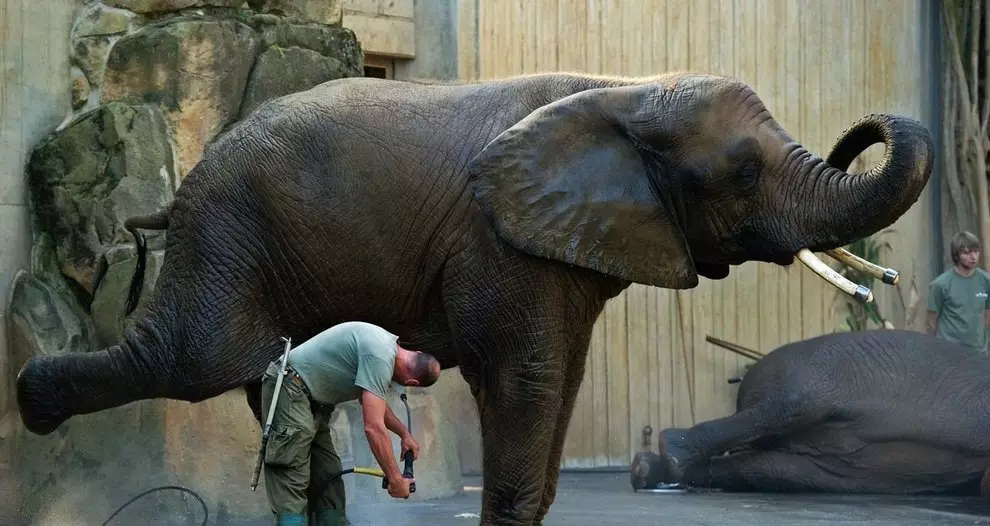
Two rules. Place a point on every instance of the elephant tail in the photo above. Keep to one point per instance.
(155, 221)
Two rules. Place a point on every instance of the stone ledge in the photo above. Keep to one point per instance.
(380, 35)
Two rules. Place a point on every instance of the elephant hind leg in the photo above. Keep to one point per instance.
(682, 448)
(191, 345)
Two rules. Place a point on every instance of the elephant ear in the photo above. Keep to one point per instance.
(568, 182)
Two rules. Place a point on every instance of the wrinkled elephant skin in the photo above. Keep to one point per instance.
(882, 412)
(485, 223)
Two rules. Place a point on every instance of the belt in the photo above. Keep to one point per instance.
(291, 374)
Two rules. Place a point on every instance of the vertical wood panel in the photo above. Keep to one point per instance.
(817, 66)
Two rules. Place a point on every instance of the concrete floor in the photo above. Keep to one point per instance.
(606, 498)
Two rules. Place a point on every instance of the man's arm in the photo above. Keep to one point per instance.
(932, 323)
(374, 410)
(395, 425)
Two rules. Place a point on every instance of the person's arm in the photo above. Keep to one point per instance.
(934, 308)
(986, 304)
(932, 323)
(395, 425)
(374, 410)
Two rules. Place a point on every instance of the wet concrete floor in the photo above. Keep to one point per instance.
(587, 499)
(606, 498)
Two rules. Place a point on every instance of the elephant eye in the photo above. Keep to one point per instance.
(748, 175)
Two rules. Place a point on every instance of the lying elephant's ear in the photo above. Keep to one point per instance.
(567, 182)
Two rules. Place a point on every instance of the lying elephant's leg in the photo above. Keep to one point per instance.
(681, 448)
(767, 471)
(783, 471)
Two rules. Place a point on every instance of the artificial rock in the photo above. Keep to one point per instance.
(89, 54)
(327, 12)
(165, 6)
(336, 42)
(98, 19)
(85, 180)
(107, 309)
(280, 71)
(194, 68)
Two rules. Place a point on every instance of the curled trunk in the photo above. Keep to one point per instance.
(855, 206)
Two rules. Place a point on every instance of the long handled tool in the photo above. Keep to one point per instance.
(407, 456)
(271, 414)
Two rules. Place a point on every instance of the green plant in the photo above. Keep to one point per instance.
(860, 315)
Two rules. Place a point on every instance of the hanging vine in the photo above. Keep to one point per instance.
(966, 112)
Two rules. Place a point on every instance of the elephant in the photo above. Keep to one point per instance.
(877, 411)
(487, 223)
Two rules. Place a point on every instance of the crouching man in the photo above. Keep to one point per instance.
(352, 360)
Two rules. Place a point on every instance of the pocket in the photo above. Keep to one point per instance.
(284, 446)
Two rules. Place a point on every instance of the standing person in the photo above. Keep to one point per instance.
(959, 298)
(349, 361)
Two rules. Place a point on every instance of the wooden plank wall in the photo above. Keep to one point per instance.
(818, 66)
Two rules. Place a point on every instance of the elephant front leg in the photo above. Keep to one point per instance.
(573, 375)
(519, 417)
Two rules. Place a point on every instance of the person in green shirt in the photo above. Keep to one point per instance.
(349, 361)
(959, 298)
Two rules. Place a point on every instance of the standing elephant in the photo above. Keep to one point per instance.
(485, 223)
(895, 412)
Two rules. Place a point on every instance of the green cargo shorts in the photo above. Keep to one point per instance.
(299, 451)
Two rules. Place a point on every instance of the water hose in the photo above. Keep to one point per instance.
(206, 513)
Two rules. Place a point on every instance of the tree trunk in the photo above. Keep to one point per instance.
(966, 114)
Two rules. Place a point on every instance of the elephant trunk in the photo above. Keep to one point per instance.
(52, 388)
(848, 207)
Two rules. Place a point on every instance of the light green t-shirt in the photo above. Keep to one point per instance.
(961, 303)
(339, 362)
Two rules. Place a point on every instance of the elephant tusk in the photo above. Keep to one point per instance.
(887, 275)
(858, 292)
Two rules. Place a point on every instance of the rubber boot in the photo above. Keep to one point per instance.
(290, 519)
(330, 517)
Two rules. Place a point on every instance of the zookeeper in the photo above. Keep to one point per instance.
(352, 360)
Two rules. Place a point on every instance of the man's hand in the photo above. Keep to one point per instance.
(399, 488)
(409, 445)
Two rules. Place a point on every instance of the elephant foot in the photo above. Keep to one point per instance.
(674, 457)
(38, 397)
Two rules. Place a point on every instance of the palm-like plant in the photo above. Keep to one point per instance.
(860, 315)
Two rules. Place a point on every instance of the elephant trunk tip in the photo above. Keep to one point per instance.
(890, 188)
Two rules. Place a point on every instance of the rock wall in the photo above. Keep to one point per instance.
(153, 82)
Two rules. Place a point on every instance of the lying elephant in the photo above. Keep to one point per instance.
(486, 223)
(884, 411)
